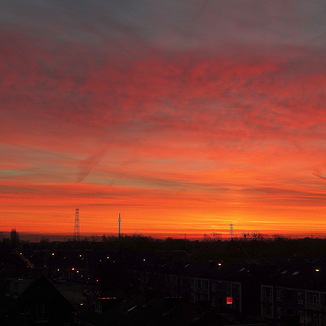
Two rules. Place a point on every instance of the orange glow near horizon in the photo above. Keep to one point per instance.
(183, 128)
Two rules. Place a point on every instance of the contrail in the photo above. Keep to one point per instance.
(87, 165)
(319, 175)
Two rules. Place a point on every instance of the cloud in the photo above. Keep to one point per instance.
(196, 102)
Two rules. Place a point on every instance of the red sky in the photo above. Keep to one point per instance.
(183, 116)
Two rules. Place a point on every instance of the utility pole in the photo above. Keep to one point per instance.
(119, 226)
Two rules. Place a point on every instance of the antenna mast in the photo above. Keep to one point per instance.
(119, 226)
(77, 225)
(231, 231)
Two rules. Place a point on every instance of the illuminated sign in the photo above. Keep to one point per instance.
(229, 300)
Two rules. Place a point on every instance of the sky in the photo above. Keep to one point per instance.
(184, 116)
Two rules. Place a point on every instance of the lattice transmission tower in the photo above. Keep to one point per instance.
(77, 225)
(231, 230)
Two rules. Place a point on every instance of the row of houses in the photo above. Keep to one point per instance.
(298, 293)
(290, 294)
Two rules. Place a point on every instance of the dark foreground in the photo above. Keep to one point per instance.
(143, 281)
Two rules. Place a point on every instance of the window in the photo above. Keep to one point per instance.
(40, 312)
(323, 299)
(315, 320)
(301, 316)
(278, 312)
(267, 293)
(204, 297)
(278, 294)
(267, 311)
(300, 297)
(312, 298)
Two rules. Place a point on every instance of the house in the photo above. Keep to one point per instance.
(39, 304)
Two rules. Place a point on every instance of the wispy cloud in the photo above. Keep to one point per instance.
(164, 104)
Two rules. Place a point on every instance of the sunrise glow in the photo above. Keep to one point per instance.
(183, 116)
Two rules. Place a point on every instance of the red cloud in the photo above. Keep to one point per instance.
(179, 129)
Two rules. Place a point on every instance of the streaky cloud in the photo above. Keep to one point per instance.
(87, 165)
